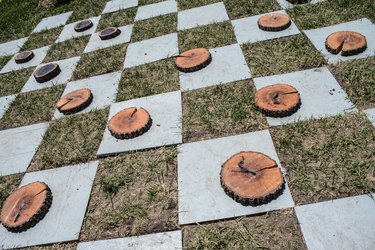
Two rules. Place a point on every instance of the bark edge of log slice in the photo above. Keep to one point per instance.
(251, 178)
(24, 57)
(193, 60)
(109, 33)
(274, 22)
(83, 25)
(130, 123)
(47, 72)
(75, 101)
(26, 206)
(349, 43)
(278, 100)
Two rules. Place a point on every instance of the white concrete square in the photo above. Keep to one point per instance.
(321, 95)
(96, 43)
(103, 88)
(363, 26)
(71, 187)
(339, 224)
(208, 14)
(156, 9)
(200, 195)
(12, 47)
(159, 241)
(5, 101)
(68, 32)
(116, 5)
(67, 67)
(247, 29)
(371, 115)
(286, 5)
(228, 65)
(52, 22)
(151, 50)
(166, 114)
(18, 146)
(39, 55)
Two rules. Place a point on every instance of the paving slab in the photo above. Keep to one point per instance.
(71, 187)
(200, 195)
(96, 43)
(363, 26)
(52, 22)
(321, 95)
(228, 65)
(68, 31)
(18, 146)
(151, 50)
(116, 5)
(39, 55)
(208, 14)
(286, 5)
(166, 114)
(159, 241)
(12, 47)
(339, 224)
(5, 101)
(103, 88)
(156, 9)
(67, 67)
(371, 115)
(247, 29)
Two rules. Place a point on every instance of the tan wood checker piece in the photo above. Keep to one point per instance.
(348, 42)
(130, 123)
(193, 60)
(75, 101)
(47, 72)
(278, 100)
(109, 33)
(24, 57)
(274, 22)
(25, 207)
(251, 178)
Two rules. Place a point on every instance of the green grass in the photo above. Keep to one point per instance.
(154, 27)
(244, 8)
(329, 158)
(117, 19)
(32, 107)
(4, 60)
(41, 39)
(67, 49)
(282, 55)
(146, 2)
(70, 140)
(100, 62)
(12, 82)
(148, 79)
(357, 78)
(133, 194)
(8, 184)
(86, 8)
(275, 230)
(208, 36)
(188, 4)
(220, 111)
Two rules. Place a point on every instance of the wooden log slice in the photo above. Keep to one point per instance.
(298, 1)
(130, 123)
(25, 207)
(348, 42)
(24, 57)
(83, 25)
(109, 33)
(75, 101)
(274, 22)
(47, 72)
(251, 178)
(278, 100)
(193, 60)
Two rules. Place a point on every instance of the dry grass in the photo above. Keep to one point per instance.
(8, 184)
(117, 19)
(244, 8)
(188, 4)
(12, 83)
(154, 27)
(41, 39)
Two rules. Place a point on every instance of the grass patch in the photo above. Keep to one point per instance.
(4, 60)
(31, 107)
(220, 111)
(282, 55)
(154, 27)
(117, 19)
(146, 2)
(133, 194)
(67, 49)
(100, 62)
(41, 39)
(357, 78)
(8, 184)
(188, 4)
(274, 230)
(70, 140)
(12, 82)
(329, 158)
(148, 79)
(86, 8)
(207, 36)
(244, 8)
(56, 246)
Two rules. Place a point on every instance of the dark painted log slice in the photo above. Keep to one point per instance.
(109, 33)
(83, 25)
(24, 57)
(47, 72)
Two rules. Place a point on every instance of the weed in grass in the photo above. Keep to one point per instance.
(8, 184)
(329, 158)
(4, 60)
(188, 4)
(71, 140)
(282, 55)
(12, 83)
(117, 19)
(220, 111)
(244, 8)
(154, 27)
(41, 39)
